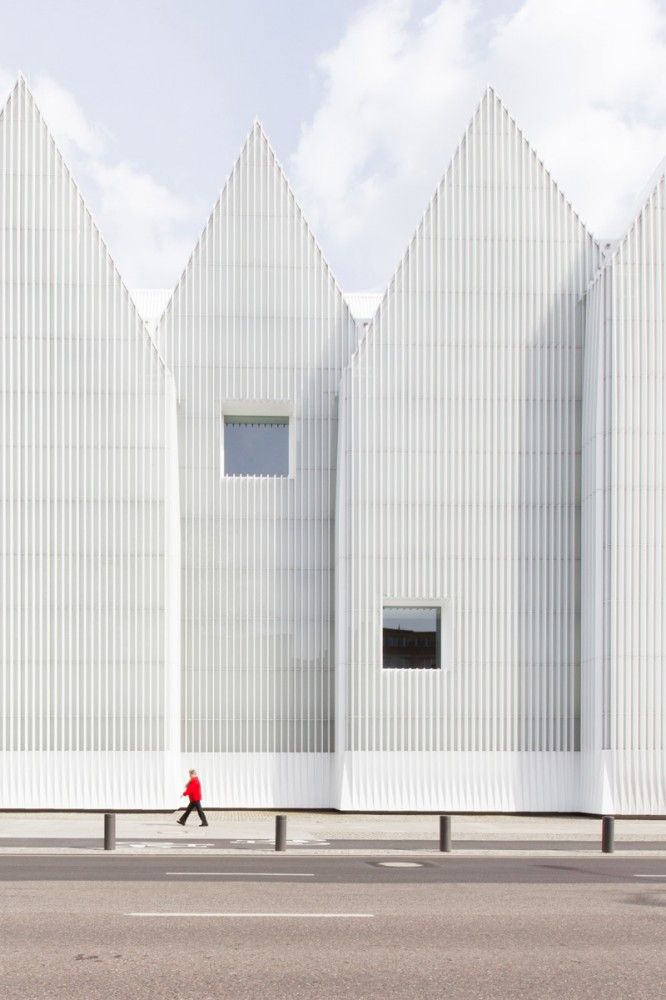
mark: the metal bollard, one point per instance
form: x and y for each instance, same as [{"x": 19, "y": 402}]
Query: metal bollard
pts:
[
  {"x": 109, "y": 832},
  {"x": 445, "y": 834},
  {"x": 280, "y": 833},
  {"x": 607, "y": 834}
]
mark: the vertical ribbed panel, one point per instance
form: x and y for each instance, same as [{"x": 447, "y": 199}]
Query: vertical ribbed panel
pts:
[
  {"x": 459, "y": 481},
  {"x": 624, "y": 523},
  {"x": 257, "y": 319},
  {"x": 88, "y": 551},
  {"x": 458, "y": 451}
]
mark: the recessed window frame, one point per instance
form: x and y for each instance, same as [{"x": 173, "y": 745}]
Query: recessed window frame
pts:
[
  {"x": 439, "y": 604},
  {"x": 263, "y": 408}
]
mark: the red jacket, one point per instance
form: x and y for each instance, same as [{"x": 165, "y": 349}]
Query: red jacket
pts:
[{"x": 193, "y": 790}]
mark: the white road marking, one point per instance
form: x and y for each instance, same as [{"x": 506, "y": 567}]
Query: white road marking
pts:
[
  {"x": 651, "y": 876},
  {"x": 400, "y": 864},
  {"x": 318, "y": 916},
  {"x": 166, "y": 844},
  {"x": 293, "y": 843},
  {"x": 263, "y": 874}
]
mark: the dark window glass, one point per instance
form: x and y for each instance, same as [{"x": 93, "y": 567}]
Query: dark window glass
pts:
[
  {"x": 256, "y": 446},
  {"x": 411, "y": 638}
]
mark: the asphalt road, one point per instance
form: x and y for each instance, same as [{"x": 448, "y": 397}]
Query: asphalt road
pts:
[
  {"x": 331, "y": 870},
  {"x": 285, "y": 928}
]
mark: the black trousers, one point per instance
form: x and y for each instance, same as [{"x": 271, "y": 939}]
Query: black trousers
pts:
[{"x": 197, "y": 806}]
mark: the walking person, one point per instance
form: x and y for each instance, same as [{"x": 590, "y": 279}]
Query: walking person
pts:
[{"x": 193, "y": 792}]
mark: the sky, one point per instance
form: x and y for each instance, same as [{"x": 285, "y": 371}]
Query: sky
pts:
[{"x": 364, "y": 104}]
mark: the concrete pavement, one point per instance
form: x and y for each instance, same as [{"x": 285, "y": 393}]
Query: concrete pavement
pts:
[{"x": 321, "y": 832}]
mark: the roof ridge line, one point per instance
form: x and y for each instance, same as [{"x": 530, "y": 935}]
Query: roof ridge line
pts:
[
  {"x": 22, "y": 84},
  {"x": 489, "y": 93},
  {"x": 258, "y": 130}
]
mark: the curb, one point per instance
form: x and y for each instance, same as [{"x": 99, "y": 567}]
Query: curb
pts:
[{"x": 18, "y": 852}]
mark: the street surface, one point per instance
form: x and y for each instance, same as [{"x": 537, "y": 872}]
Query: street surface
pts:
[
  {"x": 100, "y": 926},
  {"x": 383, "y": 869}
]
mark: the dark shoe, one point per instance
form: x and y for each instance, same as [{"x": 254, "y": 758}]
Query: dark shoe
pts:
[
  {"x": 203, "y": 824},
  {"x": 181, "y": 821}
]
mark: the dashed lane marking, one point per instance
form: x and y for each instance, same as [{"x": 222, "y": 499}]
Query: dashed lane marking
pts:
[
  {"x": 290, "y": 843},
  {"x": 241, "y": 874},
  {"x": 298, "y": 916},
  {"x": 164, "y": 844}
]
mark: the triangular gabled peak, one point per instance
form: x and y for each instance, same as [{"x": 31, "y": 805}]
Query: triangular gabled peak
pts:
[
  {"x": 53, "y": 199},
  {"x": 496, "y": 194},
  {"x": 265, "y": 257}
]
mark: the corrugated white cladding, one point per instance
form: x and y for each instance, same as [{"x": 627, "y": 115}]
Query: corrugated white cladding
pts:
[
  {"x": 258, "y": 325},
  {"x": 459, "y": 484},
  {"x": 88, "y": 503},
  {"x": 624, "y": 523}
]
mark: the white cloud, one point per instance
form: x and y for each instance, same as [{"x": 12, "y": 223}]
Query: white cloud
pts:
[
  {"x": 395, "y": 95},
  {"x": 76, "y": 135},
  {"x": 584, "y": 80},
  {"x": 147, "y": 228},
  {"x": 150, "y": 229},
  {"x": 587, "y": 82}
]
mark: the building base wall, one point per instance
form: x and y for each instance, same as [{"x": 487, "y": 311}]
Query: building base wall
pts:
[
  {"x": 622, "y": 783},
  {"x": 89, "y": 780},
  {"x": 458, "y": 781},
  {"x": 125, "y": 780},
  {"x": 263, "y": 780}
]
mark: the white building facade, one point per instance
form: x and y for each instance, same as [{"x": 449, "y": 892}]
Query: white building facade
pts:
[{"x": 332, "y": 551}]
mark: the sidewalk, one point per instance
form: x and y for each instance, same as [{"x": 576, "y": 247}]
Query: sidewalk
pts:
[{"x": 252, "y": 832}]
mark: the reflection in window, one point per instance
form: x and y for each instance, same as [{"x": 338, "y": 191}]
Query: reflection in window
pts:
[
  {"x": 256, "y": 446},
  {"x": 412, "y": 638}
]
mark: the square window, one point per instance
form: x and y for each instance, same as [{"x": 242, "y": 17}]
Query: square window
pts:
[
  {"x": 412, "y": 638},
  {"x": 256, "y": 446}
]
